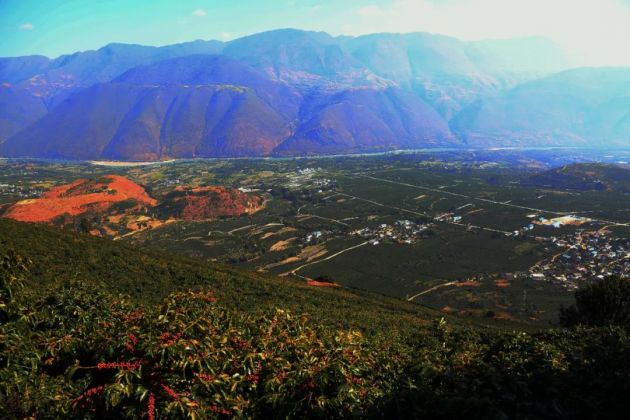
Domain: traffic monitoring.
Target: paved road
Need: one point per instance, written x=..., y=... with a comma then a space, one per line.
x=294, y=271
x=308, y=216
x=439, y=286
x=486, y=200
x=419, y=213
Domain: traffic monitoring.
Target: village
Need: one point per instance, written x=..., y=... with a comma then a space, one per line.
x=582, y=256
x=20, y=191
x=402, y=232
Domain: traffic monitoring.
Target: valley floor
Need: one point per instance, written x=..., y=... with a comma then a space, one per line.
x=472, y=235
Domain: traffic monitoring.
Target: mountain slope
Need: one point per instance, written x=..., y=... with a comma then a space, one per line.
x=367, y=120
x=209, y=106
x=449, y=73
x=291, y=92
x=583, y=107
x=79, y=128
x=304, y=59
x=130, y=122
x=185, y=107
x=52, y=81
x=82, y=69
x=19, y=108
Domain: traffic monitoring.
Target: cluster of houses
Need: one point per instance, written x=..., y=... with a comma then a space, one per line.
x=324, y=184
x=556, y=222
x=168, y=182
x=20, y=191
x=402, y=232
x=314, y=236
x=301, y=176
x=448, y=217
x=584, y=256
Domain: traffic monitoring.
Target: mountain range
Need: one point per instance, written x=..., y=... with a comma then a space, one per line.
x=290, y=92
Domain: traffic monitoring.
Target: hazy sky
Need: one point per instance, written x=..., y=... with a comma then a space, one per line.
x=594, y=32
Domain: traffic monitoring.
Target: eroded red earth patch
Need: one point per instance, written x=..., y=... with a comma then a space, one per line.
x=205, y=203
x=96, y=200
x=79, y=197
x=316, y=283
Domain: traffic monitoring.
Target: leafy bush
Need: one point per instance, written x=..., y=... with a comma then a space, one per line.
x=83, y=349
x=606, y=302
x=561, y=374
x=87, y=351
x=12, y=272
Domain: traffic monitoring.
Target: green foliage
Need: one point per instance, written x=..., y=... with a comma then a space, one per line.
x=83, y=349
x=147, y=276
x=12, y=272
x=89, y=352
x=606, y=302
x=479, y=375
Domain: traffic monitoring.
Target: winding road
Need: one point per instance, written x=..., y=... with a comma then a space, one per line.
x=295, y=270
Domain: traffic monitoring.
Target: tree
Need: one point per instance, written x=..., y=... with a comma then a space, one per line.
x=606, y=302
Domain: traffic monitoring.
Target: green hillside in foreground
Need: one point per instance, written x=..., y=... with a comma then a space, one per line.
x=91, y=328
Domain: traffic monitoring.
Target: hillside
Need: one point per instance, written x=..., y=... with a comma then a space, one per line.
x=78, y=198
x=19, y=109
x=206, y=203
x=210, y=103
x=50, y=81
x=113, y=205
x=582, y=107
x=73, y=346
x=148, y=275
x=583, y=177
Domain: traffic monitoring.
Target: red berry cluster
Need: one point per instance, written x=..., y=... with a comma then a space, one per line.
x=170, y=391
x=255, y=376
x=220, y=410
x=205, y=377
x=151, y=407
x=119, y=365
x=133, y=342
x=169, y=339
x=88, y=396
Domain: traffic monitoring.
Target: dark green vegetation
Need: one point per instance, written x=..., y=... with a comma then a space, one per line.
x=92, y=329
x=148, y=276
x=583, y=177
x=606, y=302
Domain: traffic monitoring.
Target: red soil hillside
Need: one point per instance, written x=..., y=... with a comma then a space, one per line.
x=78, y=198
x=205, y=203
x=316, y=283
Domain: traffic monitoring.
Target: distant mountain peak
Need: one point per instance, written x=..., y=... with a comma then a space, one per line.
x=290, y=91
